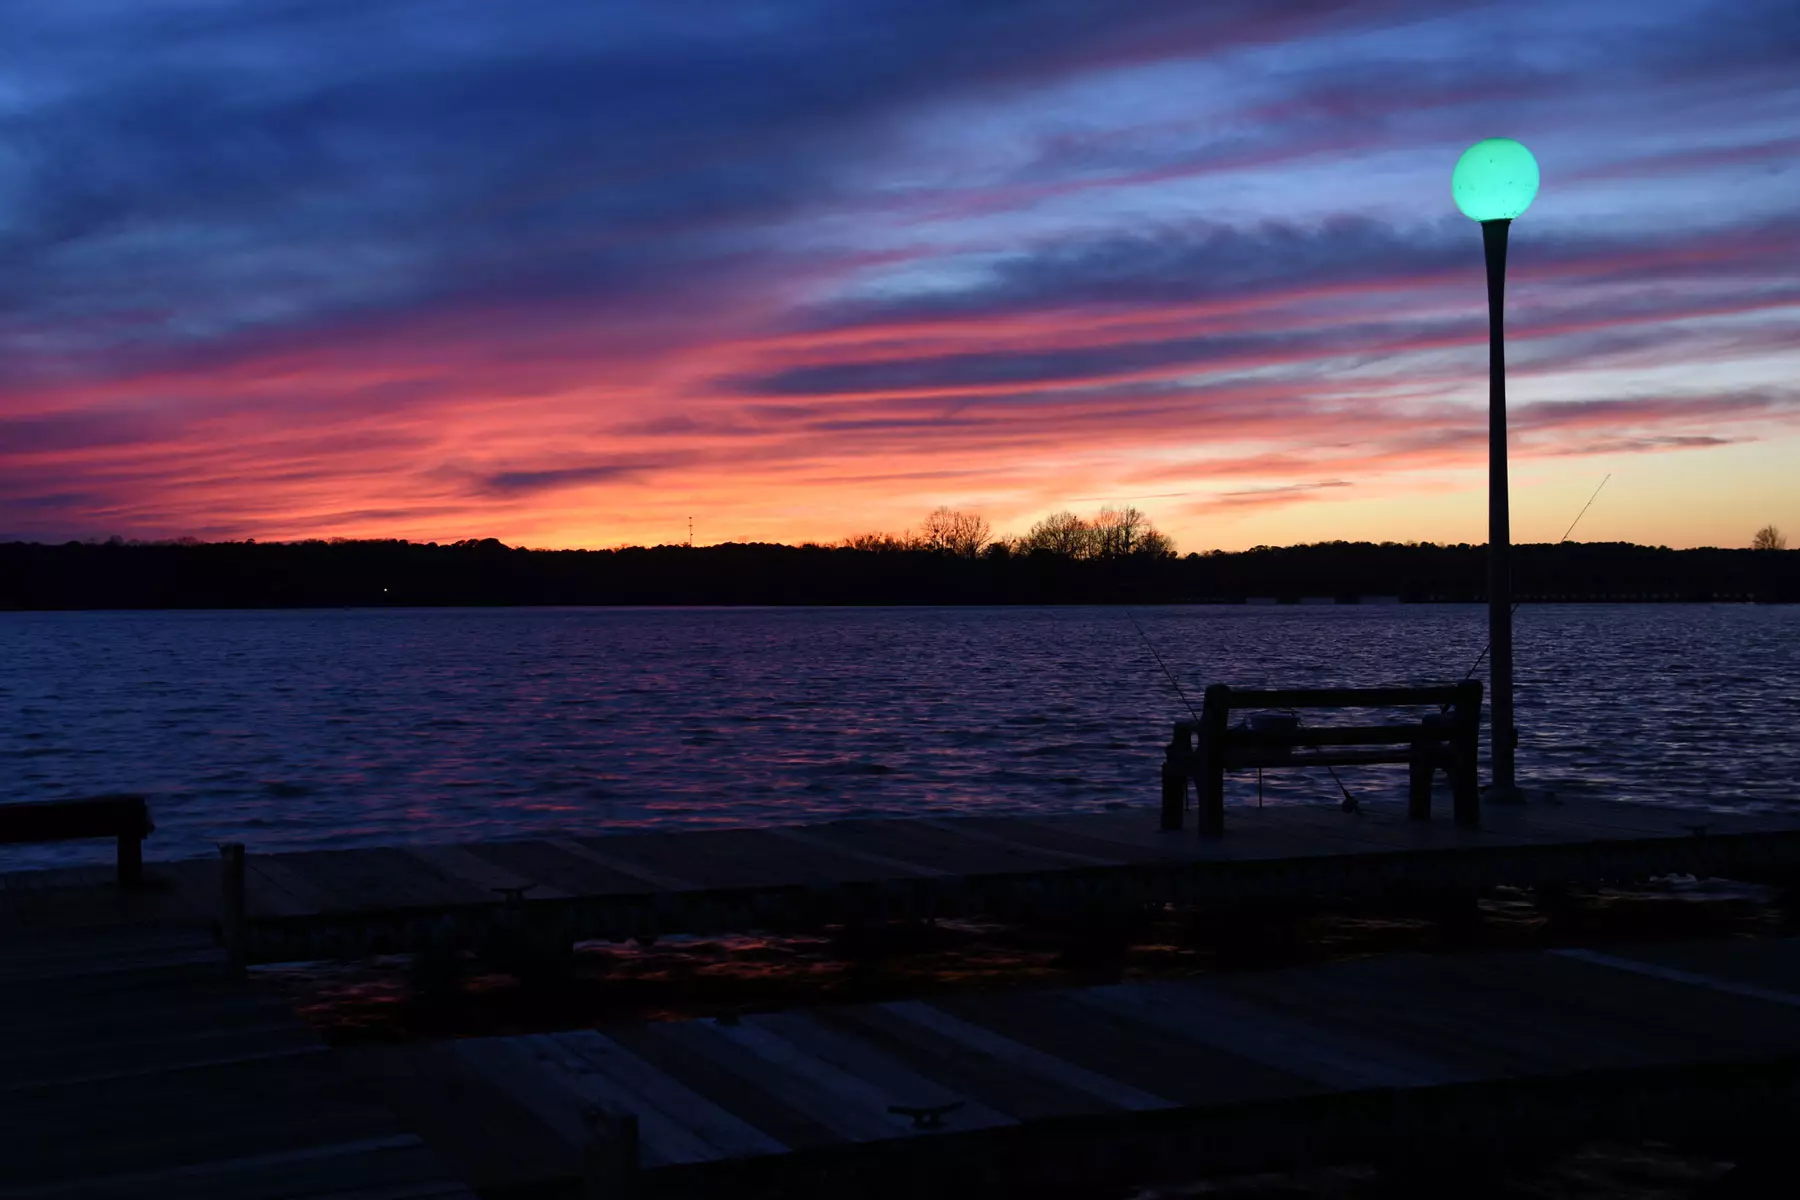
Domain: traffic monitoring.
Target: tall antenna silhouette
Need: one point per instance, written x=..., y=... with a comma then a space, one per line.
x=690, y=540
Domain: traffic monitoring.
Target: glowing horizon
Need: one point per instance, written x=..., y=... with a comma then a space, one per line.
x=572, y=278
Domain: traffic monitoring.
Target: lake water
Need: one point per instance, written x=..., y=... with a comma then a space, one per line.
x=309, y=729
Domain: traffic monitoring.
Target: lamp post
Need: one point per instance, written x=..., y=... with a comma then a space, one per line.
x=1494, y=181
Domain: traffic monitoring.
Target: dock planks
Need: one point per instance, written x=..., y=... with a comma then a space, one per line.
x=1301, y=1064
x=136, y=1065
x=357, y=902
x=127, y=1027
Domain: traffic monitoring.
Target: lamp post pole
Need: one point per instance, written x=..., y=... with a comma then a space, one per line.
x=1496, y=180
x=1500, y=656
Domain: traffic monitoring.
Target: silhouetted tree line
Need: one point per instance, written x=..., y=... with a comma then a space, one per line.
x=1110, y=534
x=1028, y=570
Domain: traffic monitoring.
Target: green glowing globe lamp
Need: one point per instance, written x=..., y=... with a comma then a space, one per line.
x=1494, y=180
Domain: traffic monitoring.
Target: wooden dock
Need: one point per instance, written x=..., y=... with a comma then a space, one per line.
x=136, y=1064
x=354, y=903
x=139, y=1062
x=1397, y=1058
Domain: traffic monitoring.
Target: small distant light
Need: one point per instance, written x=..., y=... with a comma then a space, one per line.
x=1494, y=180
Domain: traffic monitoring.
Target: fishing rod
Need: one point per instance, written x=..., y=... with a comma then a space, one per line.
x=1159, y=662
x=1350, y=802
x=1482, y=657
x=1583, y=512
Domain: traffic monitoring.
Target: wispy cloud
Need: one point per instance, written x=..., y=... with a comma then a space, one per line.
x=525, y=482
x=1270, y=496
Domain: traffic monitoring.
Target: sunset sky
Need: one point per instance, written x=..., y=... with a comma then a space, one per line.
x=566, y=273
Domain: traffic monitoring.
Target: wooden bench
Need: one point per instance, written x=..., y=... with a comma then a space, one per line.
x=1205, y=749
x=124, y=817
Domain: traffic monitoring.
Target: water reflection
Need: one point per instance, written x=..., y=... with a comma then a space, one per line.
x=312, y=729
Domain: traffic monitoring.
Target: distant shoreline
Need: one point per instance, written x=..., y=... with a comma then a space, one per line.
x=873, y=605
x=396, y=574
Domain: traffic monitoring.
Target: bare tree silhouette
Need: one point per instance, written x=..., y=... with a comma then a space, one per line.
x=950, y=532
x=881, y=541
x=1769, y=538
x=1119, y=532
x=1112, y=534
x=1063, y=534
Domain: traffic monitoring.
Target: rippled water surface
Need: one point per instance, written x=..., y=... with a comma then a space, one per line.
x=304, y=729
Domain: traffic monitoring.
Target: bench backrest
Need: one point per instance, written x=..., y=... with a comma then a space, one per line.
x=1443, y=695
x=1462, y=699
x=1206, y=747
x=63, y=820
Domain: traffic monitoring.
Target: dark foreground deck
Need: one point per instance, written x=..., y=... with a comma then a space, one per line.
x=138, y=1064
x=1397, y=1059
x=135, y=1065
x=352, y=903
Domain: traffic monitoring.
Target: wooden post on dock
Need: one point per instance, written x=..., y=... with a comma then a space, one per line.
x=131, y=859
x=1421, y=768
x=609, y=1162
x=231, y=910
x=1175, y=768
x=1214, y=712
x=1466, y=718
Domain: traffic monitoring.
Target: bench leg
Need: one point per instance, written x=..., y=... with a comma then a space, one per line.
x=1467, y=790
x=131, y=860
x=1420, y=767
x=231, y=903
x=1174, y=794
x=1212, y=800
